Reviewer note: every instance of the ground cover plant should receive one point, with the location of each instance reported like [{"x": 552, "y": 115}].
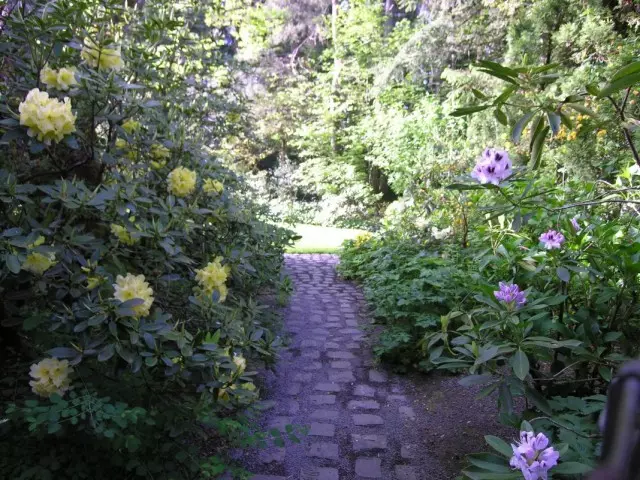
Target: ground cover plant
[{"x": 133, "y": 262}]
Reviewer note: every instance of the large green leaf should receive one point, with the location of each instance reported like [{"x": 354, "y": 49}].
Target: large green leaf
[
  {"x": 572, "y": 468},
  {"x": 620, "y": 84},
  {"x": 520, "y": 125},
  {"x": 537, "y": 146},
  {"x": 499, "y": 445},
  {"x": 520, "y": 364},
  {"x": 463, "y": 111}
]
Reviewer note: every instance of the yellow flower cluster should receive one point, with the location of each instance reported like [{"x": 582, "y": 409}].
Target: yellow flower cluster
[
  {"x": 160, "y": 152},
  {"x": 212, "y": 187},
  {"x": 601, "y": 133},
  {"x": 59, "y": 79},
  {"x": 46, "y": 118},
  {"x": 134, "y": 286},
  {"x": 123, "y": 234},
  {"x": 50, "y": 376},
  {"x": 240, "y": 363},
  {"x": 131, "y": 126},
  {"x": 39, "y": 263},
  {"x": 212, "y": 278},
  {"x": 362, "y": 239},
  {"x": 101, "y": 57},
  {"x": 182, "y": 181}
]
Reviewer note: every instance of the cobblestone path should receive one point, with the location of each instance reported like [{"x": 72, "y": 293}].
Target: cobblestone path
[{"x": 361, "y": 423}]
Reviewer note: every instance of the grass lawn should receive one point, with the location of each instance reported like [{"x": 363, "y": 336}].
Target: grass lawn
[{"x": 316, "y": 239}]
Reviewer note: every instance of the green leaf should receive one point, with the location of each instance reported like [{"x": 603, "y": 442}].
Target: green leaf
[
  {"x": 554, "y": 121},
  {"x": 13, "y": 263},
  {"x": 605, "y": 373},
  {"x": 477, "y": 93},
  {"x": 475, "y": 380},
  {"x": 461, "y": 112},
  {"x": 538, "y": 400},
  {"x": 563, "y": 274},
  {"x": 571, "y": 468},
  {"x": 489, "y": 462},
  {"x": 506, "y": 93},
  {"x": 536, "y": 148},
  {"x": 581, "y": 109},
  {"x": 497, "y": 68},
  {"x": 520, "y": 364},
  {"x": 620, "y": 84},
  {"x": 499, "y": 445},
  {"x": 520, "y": 125},
  {"x": 500, "y": 116}
]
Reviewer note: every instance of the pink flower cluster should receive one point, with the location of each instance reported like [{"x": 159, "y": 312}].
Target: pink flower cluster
[
  {"x": 552, "y": 239},
  {"x": 533, "y": 456},
  {"x": 511, "y": 295},
  {"x": 493, "y": 167}
]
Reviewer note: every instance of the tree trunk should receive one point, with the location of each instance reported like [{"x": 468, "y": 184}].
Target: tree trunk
[{"x": 336, "y": 74}]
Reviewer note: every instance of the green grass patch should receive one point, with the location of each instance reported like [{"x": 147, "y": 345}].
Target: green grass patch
[{"x": 317, "y": 239}]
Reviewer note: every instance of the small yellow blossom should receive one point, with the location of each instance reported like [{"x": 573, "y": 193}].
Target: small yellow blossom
[
  {"x": 123, "y": 234},
  {"x": 131, "y": 126},
  {"x": 182, "y": 181},
  {"x": 38, "y": 263},
  {"x": 212, "y": 278},
  {"x": 240, "y": 363},
  {"x": 50, "y": 376},
  {"x": 93, "y": 282},
  {"x": 122, "y": 144},
  {"x": 134, "y": 286},
  {"x": 212, "y": 186},
  {"x": 572, "y": 135},
  {"x": 39, "y": 241},
  {"x": 601, "y": 133},
  {"x": 159, "y": 152},
  {"x": 59, "y": 79},
  {"x": 101, "y": 57},
  {"x": 46, "y": 118}
]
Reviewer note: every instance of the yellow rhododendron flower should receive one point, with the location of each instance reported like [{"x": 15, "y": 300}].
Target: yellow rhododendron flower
[
  {"x": 160, "y": 152},
  {"x": 101, "y": 57},
  {"x": 182, "y": 181},
  {"x": 134, "y": 286},
  {"x": 46, "y": 118},
  {"x": 49, "y": 76},
  {"x": 59, "y": 79},
  {"x": 362, "y": 239},
  {"x": 213, "y": 278},
  {"x": 123, "y": 234},
  {"x": 38, "y": 263},
  {"x": 131, "y": 126},
  {"x": 212, "y": 186},
  {"x": 50, "y": 376}
]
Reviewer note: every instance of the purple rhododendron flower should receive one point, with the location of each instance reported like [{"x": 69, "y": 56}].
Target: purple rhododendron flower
[
  {"x": 511, "y": 294},
  {"x": 493, "y": 167},
  {"x": 533, "y": 456},
  {"x": 575, "y": 224},
  {"x": 552, "y": 239}
]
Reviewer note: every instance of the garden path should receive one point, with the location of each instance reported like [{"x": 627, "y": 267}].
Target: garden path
[{"x": 362, "y": 422}]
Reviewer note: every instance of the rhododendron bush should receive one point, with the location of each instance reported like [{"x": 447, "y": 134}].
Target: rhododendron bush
[{"x": 132, "y": 261}]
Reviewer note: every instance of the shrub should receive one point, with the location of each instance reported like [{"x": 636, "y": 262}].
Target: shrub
[{"x": 133, "y": 262}]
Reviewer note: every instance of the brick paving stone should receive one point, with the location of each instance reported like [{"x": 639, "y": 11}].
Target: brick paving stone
[
  {"x": 267, "y": 477},
  {"x": 366, "y": 419},
  {"x": 322, "y": 429},
  {"x": 294, "y": 389},
  {"x": 313, "y": 354},
  {"x": 323, "y": 399},
  {"x": 303, "y": 377},
  {"x": 274, "y": 455},
  {"x": 327, "y": 387},
  {"x": 324, "y": 415},
  {"x": 377, "y": 376},
  {"x": 324, "y": 450},
  {"x": 363, "y": 405},
  {"x": 312, "y": 366},
  {"x": 340, "y": 355},
  {"x": 319, "y": 473},
  {"x": 407, "y": 412},
  {"x": 344, "y": 376},
  {"x": 409, "y": 452},
  {"x": 364, "y": 442},
  {"x": 342, "y": 364},
  {"x": 369, "y": 467},
  {"x": 364, "y": 391},
  {"x": 396, "y": 398},
  {"x": 280, "y": 423}
]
